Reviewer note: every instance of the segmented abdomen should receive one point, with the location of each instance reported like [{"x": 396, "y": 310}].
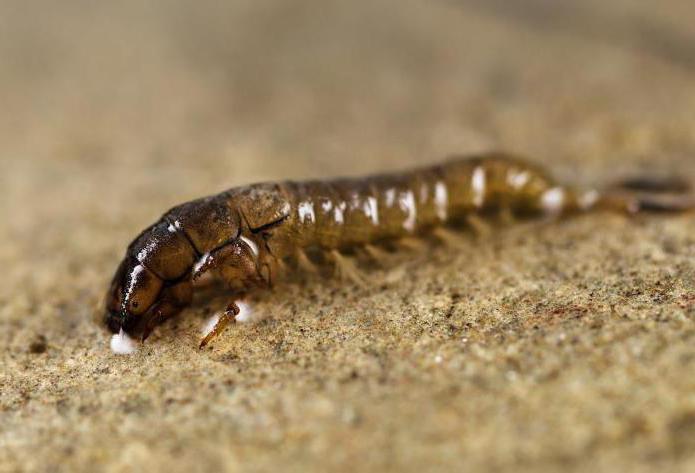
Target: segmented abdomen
[{"x": 347, "y": 212}]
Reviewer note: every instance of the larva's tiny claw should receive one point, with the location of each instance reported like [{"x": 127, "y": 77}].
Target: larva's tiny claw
[{"x": 245, "y": 236}]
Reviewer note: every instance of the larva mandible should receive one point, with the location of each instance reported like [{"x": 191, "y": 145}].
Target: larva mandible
[{"x": 244, "y": 235}]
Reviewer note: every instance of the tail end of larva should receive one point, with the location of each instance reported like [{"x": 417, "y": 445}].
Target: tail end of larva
[{"x": 646, "y": 194}]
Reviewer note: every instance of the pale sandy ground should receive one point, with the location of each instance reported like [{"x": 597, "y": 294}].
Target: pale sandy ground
[{"x": 568, "y": 346}]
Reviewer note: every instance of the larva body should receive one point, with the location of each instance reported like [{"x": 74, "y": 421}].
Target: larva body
[
  {"x": 245, "y": 234},
  {"x": 345, "y": 213}
]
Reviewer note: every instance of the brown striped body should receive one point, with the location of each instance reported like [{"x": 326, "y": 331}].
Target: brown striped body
[
  {"x": 244, "y": 235},
  {"x": 342, "y": 213}
]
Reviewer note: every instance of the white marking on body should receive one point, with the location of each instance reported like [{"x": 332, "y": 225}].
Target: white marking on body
[
  {"x": 406, "y": 202},
  {"x": 553, "y": 200},
  {"x": 133, "y": 279},
  {"x": 517, "y": 179},
  {"x": 371, "y": 210},
  {"x": 306, "y": 211},
  {"x": 246, "y": 313},
  {"x": 424, "y": 191},
  {"x": 200, "y": 262},
  {"x": 122, "y": 344},
  {"x": 588, "y": 199},
  {"x": 441, "y": 200},
  {"x": 478, "y": 185},
  {"x": 339, "y": 213},
  {"x": 252, "y": 244},
  {"x": 171, "y": 228},
  {"x": 327, "y": 206},
  {"x": 355, "y": 202},
  {"x": 390, "y": 197},
  {"x": 149, "y": 248}
]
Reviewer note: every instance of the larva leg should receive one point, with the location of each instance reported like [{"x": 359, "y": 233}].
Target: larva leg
[
  {"x": 448, "y": 237},
  {"x": 479, "y": 226},
  {"x": 270, "y": 268},
  {"x": 346, "y": 270},
  {"x": 238, "y": 265},
  {"x": 506, "y": 216},
  {"x": 227, "y": 317},
  {"x": 235, "y": 263},
  {"x": 376, "y": 254},
  {"x": 304, "y": 263},
  {"x": 411, "y": 244}
]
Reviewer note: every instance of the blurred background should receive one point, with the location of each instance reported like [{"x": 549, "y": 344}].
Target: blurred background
[
  {"x": 113, "y": 112},
  {"x": 141, "y": 103},
  {"x": 174, "y": 97}
]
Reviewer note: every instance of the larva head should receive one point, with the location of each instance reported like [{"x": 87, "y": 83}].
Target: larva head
[{"x": 133, "y": 293}]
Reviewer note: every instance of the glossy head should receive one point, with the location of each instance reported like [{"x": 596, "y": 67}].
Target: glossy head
[{"x": 132, "y": 295}]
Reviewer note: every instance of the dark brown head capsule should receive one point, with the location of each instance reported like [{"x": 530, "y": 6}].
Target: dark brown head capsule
[
  {"x": 150, "y": 283},
  {"x": 134, "y": 291},
  {"x": 153, "y": 282}
]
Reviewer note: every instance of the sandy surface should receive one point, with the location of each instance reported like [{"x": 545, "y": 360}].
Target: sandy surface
[{"x": 565, "y": 346}]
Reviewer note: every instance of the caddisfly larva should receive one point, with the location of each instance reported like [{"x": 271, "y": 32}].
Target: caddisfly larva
[{"x": 246, "y": 235}]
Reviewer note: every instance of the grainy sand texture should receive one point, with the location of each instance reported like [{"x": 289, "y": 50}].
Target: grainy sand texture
[{"x": 566, "y": 346}]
